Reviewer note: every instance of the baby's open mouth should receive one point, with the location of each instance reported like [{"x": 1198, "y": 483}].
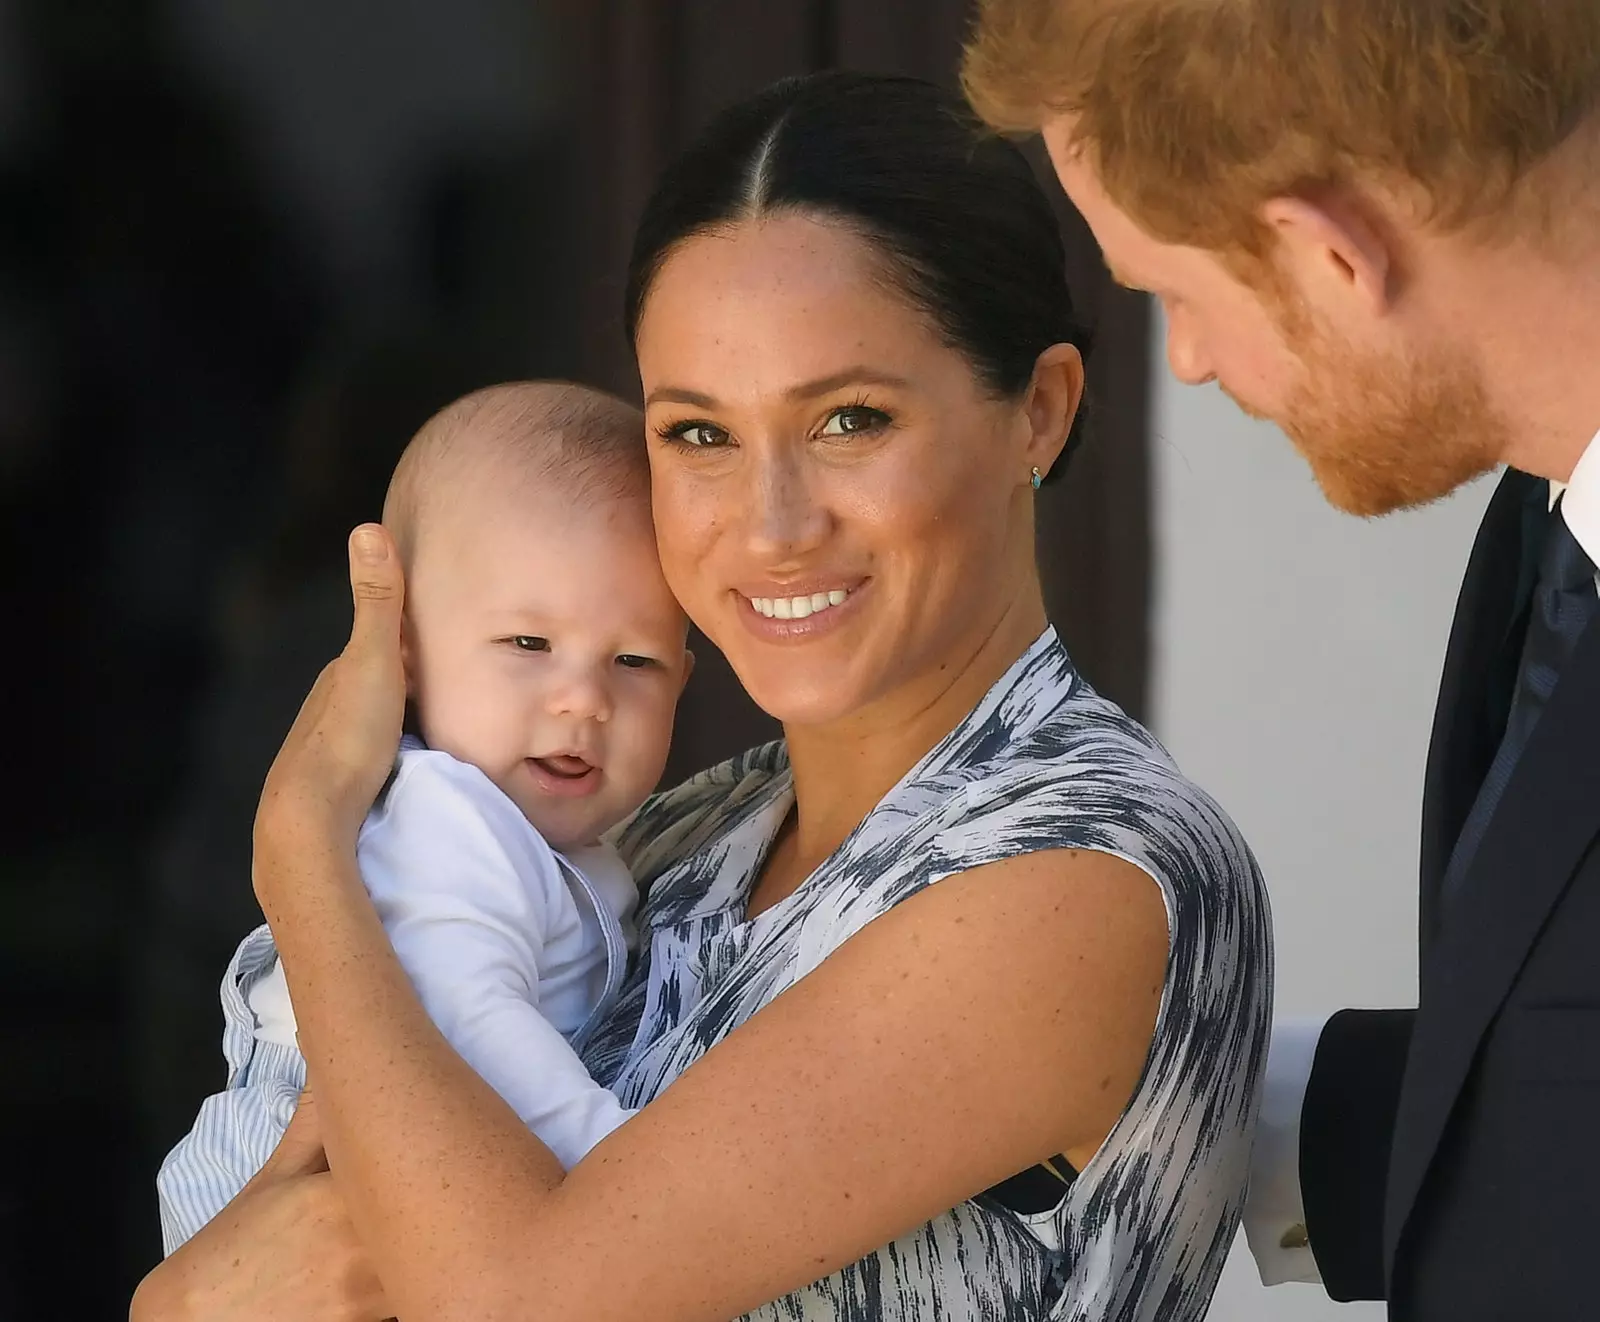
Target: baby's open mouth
[{"x": 564, "y": 766}]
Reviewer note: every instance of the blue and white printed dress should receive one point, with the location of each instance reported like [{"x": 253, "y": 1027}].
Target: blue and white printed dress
[{"x": 1041, "y": 763}]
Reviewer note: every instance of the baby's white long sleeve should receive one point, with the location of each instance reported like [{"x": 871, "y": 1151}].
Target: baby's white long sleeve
[{"x": 507, "y": 955}]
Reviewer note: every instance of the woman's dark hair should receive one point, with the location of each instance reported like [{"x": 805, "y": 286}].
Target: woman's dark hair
[{"x": 966, "y": 231}]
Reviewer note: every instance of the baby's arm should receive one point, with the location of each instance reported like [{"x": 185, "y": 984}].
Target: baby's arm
[
  {"x": 468, "y": 891},
  {"x": 464, "y": 977},
  {"x": 237, "y": 1129}
]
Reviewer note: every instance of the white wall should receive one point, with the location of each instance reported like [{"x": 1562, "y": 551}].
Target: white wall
[{"x": 1297, "y": 655}]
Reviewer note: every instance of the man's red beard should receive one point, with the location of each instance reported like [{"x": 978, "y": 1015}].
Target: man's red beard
[{"x": 1382, "y": 434}]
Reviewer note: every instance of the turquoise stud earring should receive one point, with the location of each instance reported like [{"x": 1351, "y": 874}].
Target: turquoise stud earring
[{"x": 1038, "y": 479}]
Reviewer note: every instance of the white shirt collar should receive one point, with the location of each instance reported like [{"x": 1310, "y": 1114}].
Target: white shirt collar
[{"x": 1581, "y": 507}]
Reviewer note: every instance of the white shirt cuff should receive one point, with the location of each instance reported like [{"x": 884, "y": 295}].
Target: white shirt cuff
[{"x": 1274, "y": 1211}]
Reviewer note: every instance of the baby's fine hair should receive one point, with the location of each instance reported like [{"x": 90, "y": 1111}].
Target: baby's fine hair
[{"x": 583, "y": 442}]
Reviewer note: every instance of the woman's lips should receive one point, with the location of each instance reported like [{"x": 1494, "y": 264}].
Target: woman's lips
[
  {"x": 814, "y": 625},
  {"x": 564, "y": 775}
]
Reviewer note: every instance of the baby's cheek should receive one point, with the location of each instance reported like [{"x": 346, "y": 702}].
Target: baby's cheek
[
  {"x": 650, "y": 741},
  {"x": 482, "y": 728}
]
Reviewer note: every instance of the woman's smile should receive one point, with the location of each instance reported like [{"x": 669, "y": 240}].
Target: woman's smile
[{"x": 801, "y": 616}]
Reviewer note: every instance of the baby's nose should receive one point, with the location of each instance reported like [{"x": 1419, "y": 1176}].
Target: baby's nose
[{"x": 583, "y": 695}]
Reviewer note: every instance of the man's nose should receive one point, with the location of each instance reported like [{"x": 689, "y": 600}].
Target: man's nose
[{"x": 1185, "y": 356}]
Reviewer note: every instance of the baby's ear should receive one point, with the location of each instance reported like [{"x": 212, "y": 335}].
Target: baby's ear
[{"x": 408, "y": 656}]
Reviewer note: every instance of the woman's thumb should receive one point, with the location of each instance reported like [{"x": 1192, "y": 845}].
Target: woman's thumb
[{"x": 377, "y": 587}]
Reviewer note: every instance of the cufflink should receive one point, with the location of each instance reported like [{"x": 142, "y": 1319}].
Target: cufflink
[{"x": 1295, "y": 1237}]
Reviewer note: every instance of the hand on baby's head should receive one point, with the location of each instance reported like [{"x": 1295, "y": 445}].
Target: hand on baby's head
[{"x": 542, "y": 642}]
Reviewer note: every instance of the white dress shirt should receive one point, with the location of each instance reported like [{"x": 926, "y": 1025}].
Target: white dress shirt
[{"x": 1274, "y": 1214}]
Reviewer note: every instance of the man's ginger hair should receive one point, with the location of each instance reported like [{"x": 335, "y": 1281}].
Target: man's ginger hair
[{"x": 1195, "y": 113}]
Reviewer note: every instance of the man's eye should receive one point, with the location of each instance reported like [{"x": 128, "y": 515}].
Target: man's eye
[
  {"x": 527, "y": 642},
  {"x": 633, "y": 662}
]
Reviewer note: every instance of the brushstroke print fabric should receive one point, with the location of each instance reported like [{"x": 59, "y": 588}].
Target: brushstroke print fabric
[{"x": 1041, "y": 763}]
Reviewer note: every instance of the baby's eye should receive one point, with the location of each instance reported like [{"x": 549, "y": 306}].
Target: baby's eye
[
  {"x": 698, "y": 435},
  {"x": 855, "y": 420},
  {"x": 527, "y": 642},
  {"x": 631, "y": 661}
]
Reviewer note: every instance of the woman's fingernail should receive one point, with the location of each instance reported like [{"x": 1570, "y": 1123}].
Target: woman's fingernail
[{"x": 368, "y": 544}]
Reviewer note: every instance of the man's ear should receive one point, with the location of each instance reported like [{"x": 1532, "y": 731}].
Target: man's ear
[
  {"x": 1334, "y": 247},
  {"x": 688, "y": 669}
]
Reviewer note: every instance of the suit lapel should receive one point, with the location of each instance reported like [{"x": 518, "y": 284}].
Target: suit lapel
[
  {"x": 1498, "y": 580},
  {"x": 1544, "y": 825}
]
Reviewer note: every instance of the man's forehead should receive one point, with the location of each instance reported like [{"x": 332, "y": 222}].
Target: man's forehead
[
  {"x": 1133, "y": 256},
  {"x": 1075, "y": 168},
  {"x": 1119, "y": 238}
]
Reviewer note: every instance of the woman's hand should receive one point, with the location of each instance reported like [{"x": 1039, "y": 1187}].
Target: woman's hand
[
  {"x": 284, "y": 1248},
  {"x": 342, "y": 745}
]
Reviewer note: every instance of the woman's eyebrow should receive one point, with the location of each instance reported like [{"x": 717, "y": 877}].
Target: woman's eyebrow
[
  {"x": 850, "y": 376},
  {"x": 674, "y": 395},
  {"x": 822, "y": 385}
]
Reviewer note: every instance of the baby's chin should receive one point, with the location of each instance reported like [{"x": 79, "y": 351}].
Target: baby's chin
[
  {"x": 571, "y": 816},
  {"x": 564, "y": 825}
]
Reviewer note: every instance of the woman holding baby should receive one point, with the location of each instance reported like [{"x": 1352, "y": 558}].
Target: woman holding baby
[{"x": 955, "y": 1003}]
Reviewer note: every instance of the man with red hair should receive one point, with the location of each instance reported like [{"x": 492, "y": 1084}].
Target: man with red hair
[{"x": 1377, "y": 223}]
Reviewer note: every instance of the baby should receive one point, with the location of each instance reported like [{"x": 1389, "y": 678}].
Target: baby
[{"x": 545, "y": 657}]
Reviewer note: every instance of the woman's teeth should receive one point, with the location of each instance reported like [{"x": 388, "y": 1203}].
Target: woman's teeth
[{"x": 798, "y": 608}]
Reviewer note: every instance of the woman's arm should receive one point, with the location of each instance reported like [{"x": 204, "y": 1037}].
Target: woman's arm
[{"x": 1000, "y": 1016}]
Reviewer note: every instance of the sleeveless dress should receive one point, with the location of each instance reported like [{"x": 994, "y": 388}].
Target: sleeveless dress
[{"x": 1042, "y": 762}]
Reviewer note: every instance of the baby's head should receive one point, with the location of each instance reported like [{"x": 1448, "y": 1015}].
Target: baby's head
[{"x": 542, "y": 644}]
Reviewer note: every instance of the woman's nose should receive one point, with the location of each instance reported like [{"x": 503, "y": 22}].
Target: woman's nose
[{"x": 783, "y": 518}]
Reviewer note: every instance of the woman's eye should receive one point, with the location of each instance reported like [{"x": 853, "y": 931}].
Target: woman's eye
[
  {"x": 699, "y": 435},
  {"x": 631, "y": 662},
  {"x": 527, "y": 642},
  {"x": 855, "y": 420}
]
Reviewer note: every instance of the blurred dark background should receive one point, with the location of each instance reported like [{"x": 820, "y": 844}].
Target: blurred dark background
[{"x": 246, "y": 247}]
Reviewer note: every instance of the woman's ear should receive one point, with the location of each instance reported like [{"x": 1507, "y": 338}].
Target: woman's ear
[{"x": 1054, "y": 396}]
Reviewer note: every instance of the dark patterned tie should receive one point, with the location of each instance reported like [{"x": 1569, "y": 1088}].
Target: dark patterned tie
[{"x": 1564, "y": 601}]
